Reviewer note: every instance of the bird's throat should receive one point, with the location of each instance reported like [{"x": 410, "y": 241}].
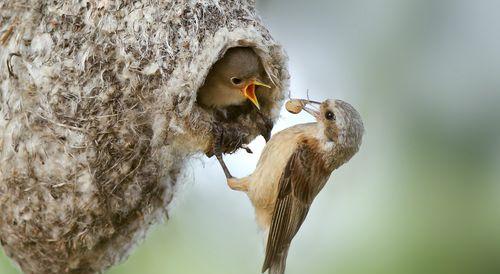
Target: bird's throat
[{"x": 249, "y": 93}]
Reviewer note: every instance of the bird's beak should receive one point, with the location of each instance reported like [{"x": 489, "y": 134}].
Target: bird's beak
[
  {"x": 249, "y": 91},
  {"x": 311, "y": 110}
]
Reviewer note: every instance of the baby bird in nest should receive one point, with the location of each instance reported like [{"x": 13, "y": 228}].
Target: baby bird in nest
[
  {"x": 293, "y": 168},
  {"x": 230, "y": 91}
]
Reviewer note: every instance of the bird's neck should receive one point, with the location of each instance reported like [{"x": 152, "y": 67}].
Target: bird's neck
[
  {"x": 335, "y": 152},
  {"x": 328, "y": 146}
]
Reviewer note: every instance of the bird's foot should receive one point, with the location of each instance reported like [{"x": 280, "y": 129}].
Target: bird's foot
[
  {"x": 247, "y": 149},
  {"x": 237, "y": 184},
  {"x": 232, "y": 183}
]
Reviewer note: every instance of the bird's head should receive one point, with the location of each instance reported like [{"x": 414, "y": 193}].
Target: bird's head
[
  {"x": 339, "y": 121},
  {"x": 240, "y": 71}
]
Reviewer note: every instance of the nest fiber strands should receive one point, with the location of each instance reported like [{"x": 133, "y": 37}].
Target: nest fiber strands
[{"x": 98, "y": 115}]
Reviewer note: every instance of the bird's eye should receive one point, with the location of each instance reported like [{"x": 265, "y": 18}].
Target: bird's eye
[
  {"x": 236, "y": 81},
  {"x": 329, "y": 115}
]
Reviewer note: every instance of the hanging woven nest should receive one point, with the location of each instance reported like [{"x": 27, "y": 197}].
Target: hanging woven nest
[{"x": 98, "y": 116}]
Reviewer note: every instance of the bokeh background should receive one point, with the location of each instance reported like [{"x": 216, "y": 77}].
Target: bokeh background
[{"x": 423, "y": 193}]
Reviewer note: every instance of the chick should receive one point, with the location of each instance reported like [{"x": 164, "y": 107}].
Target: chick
[
  {"x": 233, "y": 80},
  {"x": 293, "y": 168},
  {"x": 229, "y": 86}
]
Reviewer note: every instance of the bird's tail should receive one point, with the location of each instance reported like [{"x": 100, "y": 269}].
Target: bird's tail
[{"x": 278, "y": 264}]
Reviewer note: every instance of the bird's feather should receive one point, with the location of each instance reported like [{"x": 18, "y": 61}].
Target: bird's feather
[{"x": 304, "y": 176}]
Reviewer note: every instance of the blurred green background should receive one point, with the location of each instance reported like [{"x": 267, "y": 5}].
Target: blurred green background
[{"x": 423, "y": 193}]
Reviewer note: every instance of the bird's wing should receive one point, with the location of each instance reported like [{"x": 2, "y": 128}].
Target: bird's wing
[{"x": 303, "y": 177}]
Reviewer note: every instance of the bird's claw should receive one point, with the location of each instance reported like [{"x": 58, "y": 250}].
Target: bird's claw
[{"x": 247, "y": 149}]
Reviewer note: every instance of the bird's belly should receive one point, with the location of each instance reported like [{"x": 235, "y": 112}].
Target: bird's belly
[
  {"x": 264, "y": 182},
  {"x": 263, "y": 188}
]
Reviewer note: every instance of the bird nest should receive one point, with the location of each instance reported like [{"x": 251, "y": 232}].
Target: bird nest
[{"x": 98, "y": 115}]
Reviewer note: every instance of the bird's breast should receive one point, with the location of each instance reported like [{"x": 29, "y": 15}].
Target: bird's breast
[{"x": 264, "y": 182}]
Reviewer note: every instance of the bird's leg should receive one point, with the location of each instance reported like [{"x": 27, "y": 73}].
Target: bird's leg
[
  {"x": 238, "y": 184},
  {"x": 218, "y": 140},
  {"x": 232, "y": 182},
  {"x": 224, "y": 167}
]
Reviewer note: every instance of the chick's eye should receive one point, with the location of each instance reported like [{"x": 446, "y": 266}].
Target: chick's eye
[
  {"x": 329, "y": 115},
  {"x": 236, "y": 81}
]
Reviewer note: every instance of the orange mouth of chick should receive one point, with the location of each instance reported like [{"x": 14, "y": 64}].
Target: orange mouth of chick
[{"x": 249, "y": 91}]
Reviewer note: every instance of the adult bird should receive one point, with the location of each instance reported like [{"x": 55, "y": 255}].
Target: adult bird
[
  {"x": 293, "y": 168},
  {"x": 230, "y": 89}
]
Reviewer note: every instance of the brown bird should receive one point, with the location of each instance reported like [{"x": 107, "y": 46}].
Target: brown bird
[
  {"x": 231, "y": 83},
  {"x": 293, "y": 168}
]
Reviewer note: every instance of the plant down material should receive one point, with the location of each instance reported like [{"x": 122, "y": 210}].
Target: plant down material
[{"x": 98, "y": 115}]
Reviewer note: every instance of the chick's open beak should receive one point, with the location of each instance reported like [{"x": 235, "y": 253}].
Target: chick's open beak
[{"x": 249, "y": 91}]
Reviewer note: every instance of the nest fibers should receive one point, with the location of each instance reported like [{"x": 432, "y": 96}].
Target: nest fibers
[{"x": 98, "y": 116}]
